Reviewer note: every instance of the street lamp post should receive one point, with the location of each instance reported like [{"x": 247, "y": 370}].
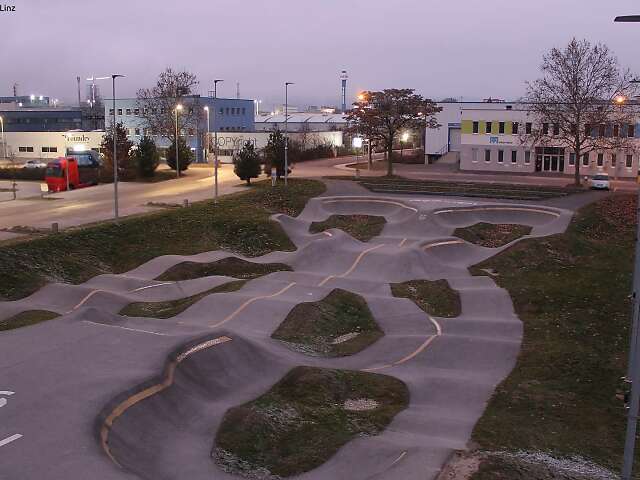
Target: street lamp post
[
  {"x": 286, "y": 131},
  {"x": 634, "y": 364},
  {"x": 177, "y": 109},
  {"x": 206, "y": 109},
  {"x": 115, "y": 136},
  {"x": 4, "y": 144},
  {"x": 215, "y": 141}
]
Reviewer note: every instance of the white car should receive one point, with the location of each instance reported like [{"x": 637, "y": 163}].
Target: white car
[
  {"x": 600, "y": 182},
  {"x": 34, "y": 164}
]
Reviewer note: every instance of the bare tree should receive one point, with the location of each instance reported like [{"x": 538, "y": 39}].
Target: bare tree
[
  {"x": 382, "y": 116},
  {"x": 157, "y": 105},
  {"x": 581, "y": 103}
]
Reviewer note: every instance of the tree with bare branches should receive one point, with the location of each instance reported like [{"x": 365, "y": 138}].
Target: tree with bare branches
[
  {"x": 382, "y": 116},
  {"x": 157, "y": 105},
  {"x": 581, "y": 102}
]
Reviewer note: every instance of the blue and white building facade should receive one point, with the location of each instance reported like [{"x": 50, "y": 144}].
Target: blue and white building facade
[{"x": 226, "y": 115}]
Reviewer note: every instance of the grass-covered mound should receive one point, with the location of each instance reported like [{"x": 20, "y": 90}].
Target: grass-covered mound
[
  {"x": 339, "y": 324},
  {"x": 171, "y": 308},
  {"x": 228, "y": 267},
  {"x": 436, "y": 298},
  {"x": 360, "y": 227},
  {"x": 492, "y": 235},
  {"x": 572, "y": 292},
  {"x": 24, "y": 319},
  {"x": 304, "y": 419},
  {"x": 238, "y": 223}
]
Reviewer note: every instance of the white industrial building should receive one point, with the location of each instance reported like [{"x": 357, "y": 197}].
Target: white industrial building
[{"x": 300, "y": 122}]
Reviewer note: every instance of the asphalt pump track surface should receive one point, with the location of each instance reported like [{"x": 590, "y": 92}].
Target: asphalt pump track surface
[{"x": 93, "y": 394}]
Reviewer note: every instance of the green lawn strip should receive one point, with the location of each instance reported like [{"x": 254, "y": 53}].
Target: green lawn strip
[
  {"x": 302, "y": 421},
  {"x": 239, "y": 223},
  {"x": 172, "y": 308},
  {"x": 492, "y": 235},
  {"x": 24, "y": 319},
  {"x": 572, "y": 293},
  {"x": 360, "y": 227},
  {"x": 338, "y": 325},
  {"x": 436, "y": 298},
  {"x": 228, "y": 267}
]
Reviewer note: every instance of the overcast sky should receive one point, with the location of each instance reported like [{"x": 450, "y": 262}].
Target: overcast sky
[{"x": 461, "y": 48}]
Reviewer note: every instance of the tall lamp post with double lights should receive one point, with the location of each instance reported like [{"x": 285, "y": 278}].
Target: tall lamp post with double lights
[
  {"x": 115, "y": 137},
  {"x": 286, "y": 131},
  {"x": 634, "y": 364},
  {"x": 177, "y": 144},
  {"x": 215, "y": 141}
]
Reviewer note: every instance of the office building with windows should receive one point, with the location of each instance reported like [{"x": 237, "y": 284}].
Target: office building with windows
[
  {"x": 495, "y": 137},
  {"x": 225, "y": 115}
]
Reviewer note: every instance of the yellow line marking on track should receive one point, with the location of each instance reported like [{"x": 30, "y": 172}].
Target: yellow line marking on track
[
  {"x": 402, "y": 455},
  {"x": 439, "y": 244},
  {"x": 249, "y": 302},
  {"x": 493, "y": 209},
  {"x": 125, "y": 328},
  {"x": 373, "y": 200},
  {"x": 84, "y": 300},
  {"x": 150, "y": 391},
  {"x": 416, "y": 352},
  {"x": 353, "y": 267}
]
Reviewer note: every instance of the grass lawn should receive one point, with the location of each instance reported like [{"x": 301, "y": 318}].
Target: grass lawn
[
  {"x": 492, "y": 235},
  {"x": 360, "y": 227},
  {"x": 340, "y": 324},
  {"x": 304, "y": 419},
  {"x": 229, "y": 267},
  {"x": 172, "y": 308},
  {"x": 572, "y": 293},
  {"x": 239, "y": 223},
  {"x": 436, "y": 298},
  {"x": 24, "y": 319}
]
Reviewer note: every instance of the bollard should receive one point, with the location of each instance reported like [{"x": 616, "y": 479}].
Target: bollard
[{"x": 54, "y": 227}]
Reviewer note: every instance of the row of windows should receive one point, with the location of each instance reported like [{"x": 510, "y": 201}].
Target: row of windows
[
  {"x": 146, "y": 131},
  {"x": 586, "y": 158},
  {"x": 145, "y": 111},
  {"x": 554, "y": 129},
  {"x": 17, "y": 121},
  {"x": 44, "y": 149}
]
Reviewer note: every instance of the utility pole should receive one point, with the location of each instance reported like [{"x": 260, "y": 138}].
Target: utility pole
[
  {"x": 79, "y": 99},
  {"x": 634, "y": 364},
  {"x": 286, "y": 131}
]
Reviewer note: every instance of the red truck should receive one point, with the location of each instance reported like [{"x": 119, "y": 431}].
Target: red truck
[{"x": 77, "y": 170}]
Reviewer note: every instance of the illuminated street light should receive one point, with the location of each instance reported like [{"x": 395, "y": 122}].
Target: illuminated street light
[
  {"x": 32, "y": 97},
  {"x": 620, "y": 99}
]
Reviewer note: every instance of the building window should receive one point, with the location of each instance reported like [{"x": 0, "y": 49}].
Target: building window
[
  {"x": 501, "y": 127},
  {"x": 221, "y": 111},
  {"x": 226, "y": 111},
  {"x": 585, "y": 160},
  {"x": 514, "y": 156},
  {"x": 528, "y": 127},
  {"x": 244, "y": 110},
  {"x": 514, "y": 128},
  {"x": 500, "y": 156},
  {"x": 631, "y": 130},
  {"x": 137, "y": 131},
  {"x": 601, "y": 131},
  {"x": 487, "y": 156},
  {"x": 111, "y": 111},
  {"x": 128, "y": 111},
  {"x": 614, "y": 158},
  {"x": 119, "y": 111},
  {"x": 629, "y": 161},
  {"x": 600, "y": 159},
  {"x": 616, "y": 130},
  {"x": 527, "y": 157},
  {"x": 476, "y": 127},
  {"x": 25, "y": 149},
  {"x": 556, "y": 129},
  {"x": 545, "y": 129},
  {"x": 136, "y": 111},
  {"x": 49, "y": 149},
  {"x": 474, "y": 155},
  {"x": 488, "y": 126},
  {"x": 572, "y": 159}
]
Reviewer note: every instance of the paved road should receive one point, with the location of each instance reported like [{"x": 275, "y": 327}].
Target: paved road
[{"x": 87, "y": 392}]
